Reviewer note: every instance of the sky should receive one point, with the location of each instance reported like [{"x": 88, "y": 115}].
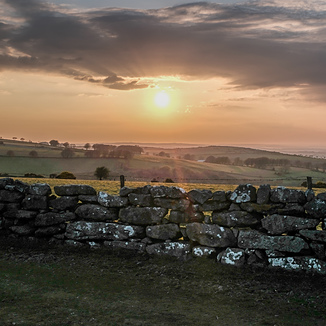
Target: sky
[{"x": 220, "y": 72}]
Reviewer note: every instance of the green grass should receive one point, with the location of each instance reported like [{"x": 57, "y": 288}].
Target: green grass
[{"x": 55, "y": 287}]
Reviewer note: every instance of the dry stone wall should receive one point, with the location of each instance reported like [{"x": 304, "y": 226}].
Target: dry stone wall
[{"x": 281, "y": 227}]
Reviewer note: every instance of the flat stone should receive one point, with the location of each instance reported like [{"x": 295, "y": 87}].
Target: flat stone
[
  {"x": 316, "y": 208},
  {"x": 107, "y": 200},
  {"x": 199, "y": 196},
  {"x": 214, "y": 205},
  {"x": 50, "y": 218},
  {"x": 211, "y": 235},
  {"x": 174, "y": 204},
  {"x": 40, "y": 189},
  {"x": 20, "y": 214},
  {"x": 308, "y": 264},
  {"x": 142, "y": 215},
  {"x": 88, "y": 199},
  {"x": 181, "y": 250},
  {"x": 140, "y": 200},
  {"x": 316, "y": 235},
  {"x": 235, "y": 218},
  {"x": 167, "y": 192},
  {"x": 35, "y": 202},
  {"x": 23, "y": 230},
  {"x": 278, "y": 224},
  {"x": 163, "y": 232},
  {"x": 219, "y": 196},
  {"x": 253, "y": 239},
  {"x": 9, "y": 196},
  {"x": 128, "y": 245},
  {"x": 91, "y": 212},
  {"x": 64, "y": 203},
  {"x": 285, "y": 195},
  {"x": 74, "y": 190},
  {"x": 48, "y": 231}
]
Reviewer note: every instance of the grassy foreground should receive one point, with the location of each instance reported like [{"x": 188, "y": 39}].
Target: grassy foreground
[{"x": 95, "y": 287}]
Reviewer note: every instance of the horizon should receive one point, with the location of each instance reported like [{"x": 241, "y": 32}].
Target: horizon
[{"x": 223, "y": 72}]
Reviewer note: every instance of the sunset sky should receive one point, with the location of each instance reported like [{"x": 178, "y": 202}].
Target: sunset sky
[{"x": 219, "y": 72}]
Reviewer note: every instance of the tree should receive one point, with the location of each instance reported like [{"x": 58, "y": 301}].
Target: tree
[
  {"x": 54, "y": 142},
  {"x": 33, "y": 154},
  {"x": 10, "y": 153},
  {"x": 102, "y": 172},
  {"x": 66, "y": 175},
  {"x": 87, "y": 146},
  {"x": 67, "y": 153},
  {"x": 65, "y": 145}
]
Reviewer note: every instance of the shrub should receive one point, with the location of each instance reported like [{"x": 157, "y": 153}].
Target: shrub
[
  {"x": 33, "y": 175},
  {"x": 101, "y": 172},
  {"x": 65, "y": 175}
]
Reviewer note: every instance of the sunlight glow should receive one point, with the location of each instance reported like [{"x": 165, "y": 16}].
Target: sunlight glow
[{"x": 162, "y": 99}]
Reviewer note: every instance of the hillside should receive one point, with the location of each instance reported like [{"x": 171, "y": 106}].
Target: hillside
[{"x": 162, "y": 163}]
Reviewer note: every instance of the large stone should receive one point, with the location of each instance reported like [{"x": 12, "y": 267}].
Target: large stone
[
  {"x": 5, "y": 181},
  {"x": 23, "y": 230},
  {"x": 82, "y": 230},
  {"x": 299, "y": 264},
  {"x": 74, "y": 190},
  {"x": 174, "y": 204},
  {"x": 285, "y": 195},
  {"x": 199, "y": 196},
  {"x": 140, "y": 200},
  {"x": 255, "y": 240},
  {"x": 128, "y": 245},
  {"x": 214, "y": 205},
  {"x": 186, "y": 217},
  {"x": 50, "y": 218},
  {"x": 40, "y": 189},
  {"x": 219, "y": 196},
  {"x": 108, "y": 200},
  {"x": 88, "y": 199},
  {"x": 18, "y": 186},
  {"x": 163, "y": 231},
  {"x": 265, "y": 209},
  {"x": 64, "y": 203},
  {"x": 316, "y": 208},
  {"x": 167, "y": 192},
  {"x": 316, "y": 235},
  {"x": 243, "y": 194},
  {"x": 322, "y": 196},
  {"x": 20, "y": 214},
  {"x": 90, "y": 212},
  {"x": 235, "y": 218},
  {"x": 211, "y": 235},
  {"x": 292, "y": 209},
  {"x": 181, "y": 250},
  {"x": 233, "y": 256},
  {"x": 9, "y": 196},
  {"x": 125, "y": 191},
  {"x": 35, "y": 202},
  {"x": 263, "y": 194},
  {"x": 278, "y": 224},
  {"x": 142, "y": 215},
  {"x": 203, "y": 252},
  {"x": 48, "y": 231}
]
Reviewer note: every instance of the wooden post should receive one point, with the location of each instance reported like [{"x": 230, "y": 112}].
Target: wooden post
[
  {"x": 309, "y": 182},
  {"x": 122, "y": 181}
]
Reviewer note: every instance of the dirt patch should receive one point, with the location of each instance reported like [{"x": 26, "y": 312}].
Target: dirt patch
[{"x": 47, "y": 286}]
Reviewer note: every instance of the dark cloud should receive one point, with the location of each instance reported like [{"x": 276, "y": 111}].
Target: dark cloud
[{"x": 260, "y": 44}]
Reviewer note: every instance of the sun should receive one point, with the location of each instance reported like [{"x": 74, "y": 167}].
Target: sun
[{"x": 162, "y": 99}]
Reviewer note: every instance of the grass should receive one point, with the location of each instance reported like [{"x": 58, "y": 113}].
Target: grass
[{"x": 72, "y": 287}]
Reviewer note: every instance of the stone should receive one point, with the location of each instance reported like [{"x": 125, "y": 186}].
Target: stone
[
  {"x": 9, "y": 196},
  {"x": 181, "y": 250},
  {"x": 91, "y": 212},
  {"x": 50, "y": 218},
  {"x": 18, "y": 186},
  {"x": 285, "y": 195},
  {"x": 48, "y": 231},
  {"x": 82, "y": 230},
  {"x": 174, "y": 204},
  {"x": 20, "y": 214},
  {"x": 244, "y": 193},
  {"x": 211, "y": 235},
  {"x": 264, "y": 209},
  {"x": 316, "y": 208},
  {"x": 253, "y": 239},
  {"x": 5, "y": 181},
  {"x": 263, "y": 194},
  {"x": 308, "y": 264},
  {"x": 235, "y": 218},
  {"x": 140, "y": 200},
  {"x": 125, "y": 191},
  {"x": 88, "y": 199},
  {"x": 219, "y": 196},
  {"x": 107, "y": 200},
  {"x": 142, "y": 215},
  {"x": 310, "y": 195},
  {"x": 74, "y": 190},
  {"x": 214, "y": 205},
  {"x": 128, "y": 245},
  {"x": 167, "y": 192},
  {"x": 64, "y": 203},
  {"x": 199, "y": 196},
  {"x": 203, "y": 252},
  {"x": 278, "y": 224},
  {"x": 318, "y": 249},
  {"x": 322, "y": 196},
  {"x": 292, "y": 209},
  {"x": 163, "y": 232},
  {"x": 256, "y": 257},
  {"x": 40, "y": 189},
  {"x": 315, "y": 235},
  {"x": 23, "y": 230},
  {"x": 35, "y": 202},
  {"x": 233, "y": 256}
]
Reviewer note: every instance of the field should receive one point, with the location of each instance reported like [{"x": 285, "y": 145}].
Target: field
[{"x": 60, "y": 287}]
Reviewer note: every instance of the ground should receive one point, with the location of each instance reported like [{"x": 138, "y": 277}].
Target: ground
[{"x": 60, "y": 286}]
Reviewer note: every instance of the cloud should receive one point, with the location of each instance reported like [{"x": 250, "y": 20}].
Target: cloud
[{"x": 259, "y": 44}]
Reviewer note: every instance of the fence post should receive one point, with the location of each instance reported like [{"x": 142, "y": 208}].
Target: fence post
[
  {"x": 309, "y": 182},
  {"x": 122, "y": 181}
]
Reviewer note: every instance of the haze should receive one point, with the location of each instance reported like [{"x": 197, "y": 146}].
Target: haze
[{"x": 234, "y": 72}]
